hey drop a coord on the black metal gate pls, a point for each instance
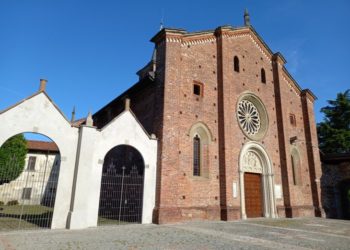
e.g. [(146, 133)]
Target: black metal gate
[(27, 201), (121, 196)]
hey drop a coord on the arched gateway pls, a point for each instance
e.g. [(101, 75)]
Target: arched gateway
[(121, 195), (256, 182), (82, 150)]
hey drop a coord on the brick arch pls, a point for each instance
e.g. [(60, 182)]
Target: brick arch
[(200, 155), (296, 165), (202, 129)]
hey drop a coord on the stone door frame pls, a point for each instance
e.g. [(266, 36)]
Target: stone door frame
[(260, 163)]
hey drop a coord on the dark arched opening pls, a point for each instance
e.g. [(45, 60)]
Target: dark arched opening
[(121, 195)]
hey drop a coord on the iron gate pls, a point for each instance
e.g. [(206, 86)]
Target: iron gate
[(121, 196), (27, 202)]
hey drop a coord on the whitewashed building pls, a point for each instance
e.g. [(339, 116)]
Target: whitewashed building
[(37, 183), (83, 149)]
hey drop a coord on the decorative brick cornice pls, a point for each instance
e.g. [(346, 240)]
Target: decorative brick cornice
[(309, 95), (291, 85), (189, 40), (173, 39), (167, 33), (249, 32), (203, 37)]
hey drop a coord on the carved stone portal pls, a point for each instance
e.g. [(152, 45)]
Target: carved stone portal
[(252, 163)]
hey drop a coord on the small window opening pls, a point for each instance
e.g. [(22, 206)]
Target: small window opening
[(236, 64), (292, 120), (263, 76), (31, 163), (197, 89), (26, 194)]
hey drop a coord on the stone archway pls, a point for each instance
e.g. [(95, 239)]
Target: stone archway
[(254, 163)]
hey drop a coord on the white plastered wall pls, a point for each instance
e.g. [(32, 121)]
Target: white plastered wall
[(38, 114), (95, 144), (82, 153)]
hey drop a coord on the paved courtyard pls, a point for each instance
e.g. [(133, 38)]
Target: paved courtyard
[(301, 233)]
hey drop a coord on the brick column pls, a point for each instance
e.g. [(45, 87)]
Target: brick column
[(313, 154), (277, 66), (168, 44)]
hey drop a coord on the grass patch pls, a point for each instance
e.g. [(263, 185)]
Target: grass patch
[(24, 217), (107, 221), (27, 209)]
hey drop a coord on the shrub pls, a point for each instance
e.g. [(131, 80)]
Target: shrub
[(12, 203), (12, 158), (2, 203)]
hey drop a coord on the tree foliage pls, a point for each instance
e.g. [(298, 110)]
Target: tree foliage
[(334, 131), (12, 158)]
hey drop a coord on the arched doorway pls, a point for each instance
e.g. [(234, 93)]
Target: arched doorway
[(121, 195), (29, 170), (256, 182)]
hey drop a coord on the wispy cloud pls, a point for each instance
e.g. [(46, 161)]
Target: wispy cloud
[(12, 91), (294, 54), (293, 61)]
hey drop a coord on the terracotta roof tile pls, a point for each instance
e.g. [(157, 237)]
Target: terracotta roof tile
[(78, 122), (42, 146)]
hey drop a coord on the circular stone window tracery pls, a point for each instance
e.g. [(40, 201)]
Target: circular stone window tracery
[(252, 116), (248, 117)]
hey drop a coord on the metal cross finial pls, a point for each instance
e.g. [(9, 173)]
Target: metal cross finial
[(162, 21)]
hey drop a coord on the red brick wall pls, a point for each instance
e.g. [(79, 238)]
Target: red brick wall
[(234, 85), (169, 109), (209, 60)]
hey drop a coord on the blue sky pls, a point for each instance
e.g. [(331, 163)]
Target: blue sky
[(90, 50)]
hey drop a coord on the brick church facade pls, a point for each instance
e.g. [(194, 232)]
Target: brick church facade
[(236, 133)]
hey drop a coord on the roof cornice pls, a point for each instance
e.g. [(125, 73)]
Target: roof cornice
[(309, 94)]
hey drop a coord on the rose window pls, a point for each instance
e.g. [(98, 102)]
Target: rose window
[(248, 117)]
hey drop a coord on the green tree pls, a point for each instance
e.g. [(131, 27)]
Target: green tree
[(334, 131), (12, 158)]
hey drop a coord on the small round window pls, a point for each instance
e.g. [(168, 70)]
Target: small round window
[(252, 116)]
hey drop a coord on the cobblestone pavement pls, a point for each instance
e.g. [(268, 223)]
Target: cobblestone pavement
[(301, 233)]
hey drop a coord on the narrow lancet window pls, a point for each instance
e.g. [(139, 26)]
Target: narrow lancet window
[(263, 76), (196, 155), (236, 64)]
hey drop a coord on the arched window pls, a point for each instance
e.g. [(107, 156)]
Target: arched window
[(296, 168), (200, 138), (196, 156), (236, 64), (263, 76)]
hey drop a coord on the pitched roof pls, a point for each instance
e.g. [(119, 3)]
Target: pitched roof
[(42, 146), (117, 104), (32, 96), (78, 122)]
